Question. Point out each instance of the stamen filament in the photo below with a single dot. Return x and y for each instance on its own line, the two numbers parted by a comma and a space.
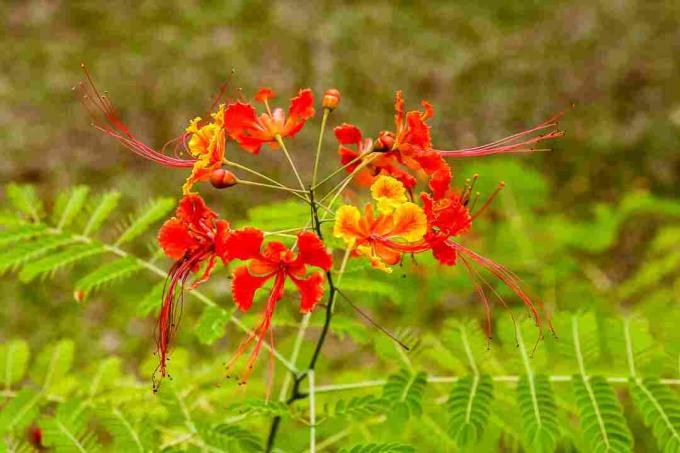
318, 146
488, 200
290, 160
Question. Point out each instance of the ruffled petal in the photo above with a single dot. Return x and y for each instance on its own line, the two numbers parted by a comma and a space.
222, 233
399, 110
348, 134
244, 285
418, 130
242, 124
244, 244
444, 252
410, 222
440, 182
311, 290
389, 193
312, 251
193, 210
347, 224
174, 239
300, 110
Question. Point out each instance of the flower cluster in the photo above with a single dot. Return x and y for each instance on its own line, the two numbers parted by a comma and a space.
395, 223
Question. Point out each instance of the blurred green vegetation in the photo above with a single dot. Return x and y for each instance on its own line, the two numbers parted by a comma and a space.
592, 225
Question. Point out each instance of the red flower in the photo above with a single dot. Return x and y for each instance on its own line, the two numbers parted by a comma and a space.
251, 131
379, 164
193, 237
276, 262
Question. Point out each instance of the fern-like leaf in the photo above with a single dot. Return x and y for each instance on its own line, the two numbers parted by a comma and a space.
25, 200
211, 325
602, 420
150, 214
104, 206
392, 447
127, 435
150, 303
468, 407
404, 391
25, 252
67, 431
359, 407
21, 233
538, 410
13, 360
68, 206
253, 406
52, 365
660, 409
107, 274
226, 437
52, 263
20, 411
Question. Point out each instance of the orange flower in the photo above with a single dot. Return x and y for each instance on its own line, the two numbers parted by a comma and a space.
251, 131
383, 238
206, 145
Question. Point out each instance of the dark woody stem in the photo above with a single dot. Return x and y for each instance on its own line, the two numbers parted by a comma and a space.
295, 393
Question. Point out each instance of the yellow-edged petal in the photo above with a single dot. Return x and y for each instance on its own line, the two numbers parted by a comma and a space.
410, 222
376, 261
347, 223
389, 193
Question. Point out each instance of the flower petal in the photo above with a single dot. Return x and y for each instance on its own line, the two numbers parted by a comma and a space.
389, 193
440, 182
311, 290
300, 110
242, 124
193, 210
244, 244
174, 239
347, 224
348, 134
410, 222
244, 285
313, 251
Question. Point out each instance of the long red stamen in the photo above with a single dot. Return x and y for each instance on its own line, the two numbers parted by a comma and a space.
106, 119
171, 311
508, 278
515, 143
260, 332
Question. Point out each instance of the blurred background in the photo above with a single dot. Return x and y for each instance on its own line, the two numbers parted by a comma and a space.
592, 224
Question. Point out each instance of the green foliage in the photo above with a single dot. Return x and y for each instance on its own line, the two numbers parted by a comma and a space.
391, 447
540, 425
660, 409
468, 406
359, 408
24, 199
13, 361
68, 205
108, 273
404, 393
148, 216
211, 325
67, 430
602, 420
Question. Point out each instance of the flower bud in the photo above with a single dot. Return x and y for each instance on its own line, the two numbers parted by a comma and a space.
79, 295
221, 178
331, 99
385, 142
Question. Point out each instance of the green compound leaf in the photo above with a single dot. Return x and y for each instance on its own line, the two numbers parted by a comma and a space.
51, 263
20, 411
660, 409
68, 430
602, 420
20, 233
468, 408
392, 447
404, 392
24, 199
150, 214
211, 325
13, 360
51, 367
104, 206
68, 206
107, 274
540, 425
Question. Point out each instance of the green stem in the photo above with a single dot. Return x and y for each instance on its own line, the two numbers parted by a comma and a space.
290, 161
318, 147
